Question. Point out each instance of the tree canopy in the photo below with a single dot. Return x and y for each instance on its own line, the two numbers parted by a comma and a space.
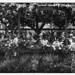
31, 14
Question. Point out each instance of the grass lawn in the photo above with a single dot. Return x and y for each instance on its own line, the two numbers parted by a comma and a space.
37, 62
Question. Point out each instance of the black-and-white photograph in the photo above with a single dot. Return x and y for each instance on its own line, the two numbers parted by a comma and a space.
37, 37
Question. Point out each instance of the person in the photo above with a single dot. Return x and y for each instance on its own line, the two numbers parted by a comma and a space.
44, 41
72, 41
28, 35
68, 42
33, 39
16, 40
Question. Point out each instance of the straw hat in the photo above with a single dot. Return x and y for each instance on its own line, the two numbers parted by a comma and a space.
71, 34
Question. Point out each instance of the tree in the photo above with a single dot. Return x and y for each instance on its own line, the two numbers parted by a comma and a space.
9, 15
44, 14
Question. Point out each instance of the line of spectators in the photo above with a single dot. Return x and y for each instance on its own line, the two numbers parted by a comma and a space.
46, 38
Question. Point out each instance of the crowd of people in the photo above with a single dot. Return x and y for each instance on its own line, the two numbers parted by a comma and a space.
45, 38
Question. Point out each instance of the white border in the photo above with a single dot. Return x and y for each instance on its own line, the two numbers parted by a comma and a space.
50, 1
39, 74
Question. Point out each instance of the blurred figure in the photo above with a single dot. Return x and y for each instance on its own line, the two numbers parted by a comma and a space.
16, 40
72, 41
28, 35
44, 42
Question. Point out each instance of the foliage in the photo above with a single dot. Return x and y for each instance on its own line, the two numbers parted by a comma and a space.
10, 14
